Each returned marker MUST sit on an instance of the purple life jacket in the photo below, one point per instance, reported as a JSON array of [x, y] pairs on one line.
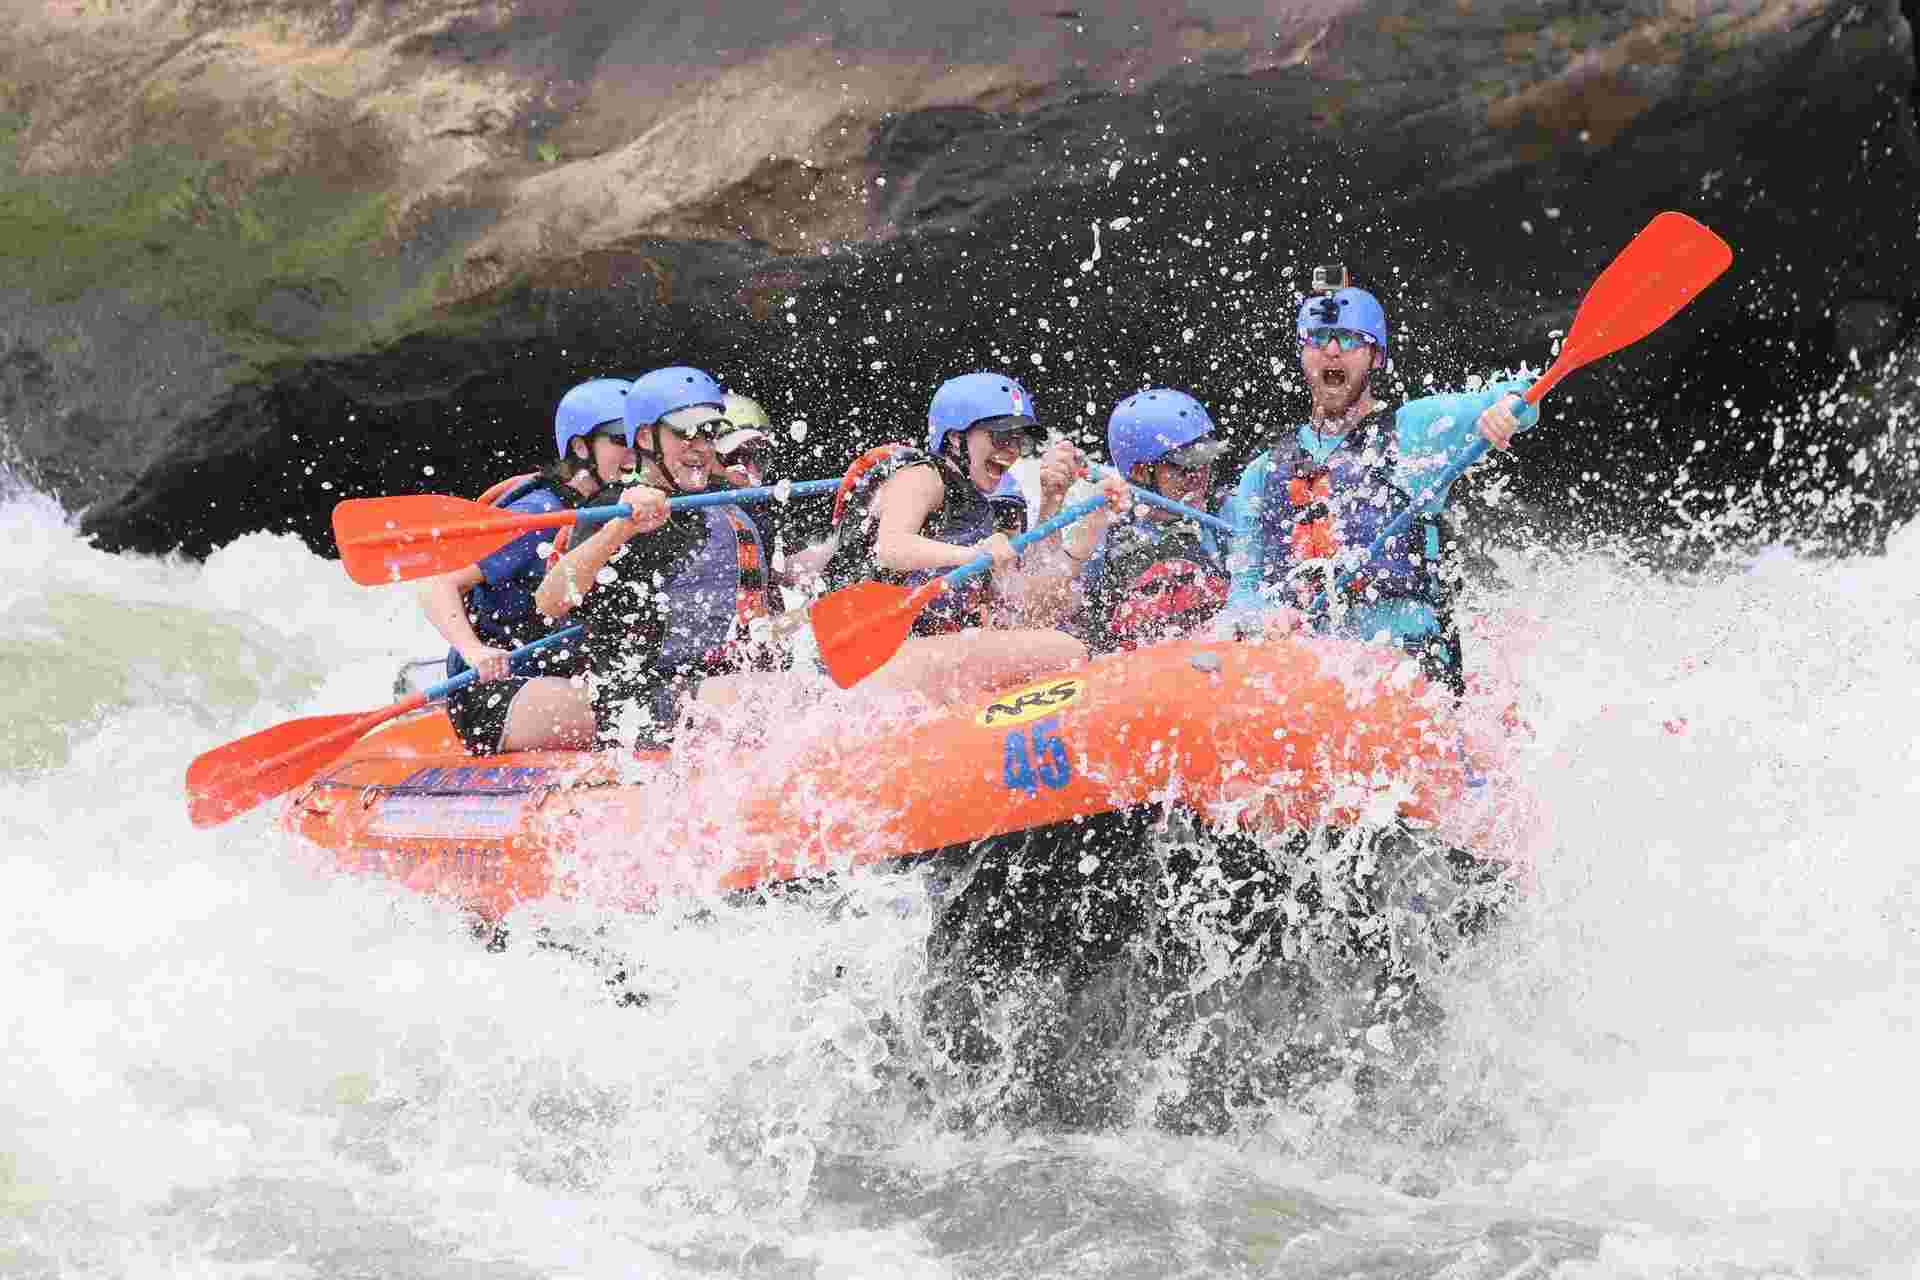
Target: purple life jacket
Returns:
[[718, 587]]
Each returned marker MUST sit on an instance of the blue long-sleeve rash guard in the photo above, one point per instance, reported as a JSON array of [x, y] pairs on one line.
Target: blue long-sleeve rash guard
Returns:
[[1434, 431]]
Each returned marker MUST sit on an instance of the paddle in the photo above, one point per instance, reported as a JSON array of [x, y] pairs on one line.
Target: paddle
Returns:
[[420, 535], [1658, 273], [227, 781], [1153, 499], [859, 627]]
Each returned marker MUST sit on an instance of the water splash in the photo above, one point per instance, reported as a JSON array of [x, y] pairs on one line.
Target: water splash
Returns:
[[1684, 1055]]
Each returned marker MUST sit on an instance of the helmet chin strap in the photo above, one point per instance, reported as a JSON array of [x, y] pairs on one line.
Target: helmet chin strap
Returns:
[[659, 463], [589, 465]]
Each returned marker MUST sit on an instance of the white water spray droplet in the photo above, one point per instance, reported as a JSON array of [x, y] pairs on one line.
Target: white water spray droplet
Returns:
[[1087, 264], [1089, 865], [798, 431]]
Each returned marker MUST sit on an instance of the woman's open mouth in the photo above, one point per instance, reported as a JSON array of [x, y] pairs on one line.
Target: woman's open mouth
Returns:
[[1333, 376]]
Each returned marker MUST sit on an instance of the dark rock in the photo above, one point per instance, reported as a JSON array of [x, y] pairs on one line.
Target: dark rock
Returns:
[[762, 191], [1865, 327]]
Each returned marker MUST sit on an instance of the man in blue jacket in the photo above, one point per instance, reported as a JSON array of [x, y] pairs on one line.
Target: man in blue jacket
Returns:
[[1307, 510]]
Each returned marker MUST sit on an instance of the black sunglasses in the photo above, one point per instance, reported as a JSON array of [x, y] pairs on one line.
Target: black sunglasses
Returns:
[[1026, 439]]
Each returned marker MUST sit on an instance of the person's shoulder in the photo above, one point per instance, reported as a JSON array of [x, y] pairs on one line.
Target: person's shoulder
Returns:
[[1256, 469], [538, 501]]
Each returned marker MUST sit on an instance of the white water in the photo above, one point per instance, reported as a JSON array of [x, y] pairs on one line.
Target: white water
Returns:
[[1686, 1056]]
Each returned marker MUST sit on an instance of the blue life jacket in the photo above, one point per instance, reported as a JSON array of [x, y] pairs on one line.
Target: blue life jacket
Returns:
[[500, 606]]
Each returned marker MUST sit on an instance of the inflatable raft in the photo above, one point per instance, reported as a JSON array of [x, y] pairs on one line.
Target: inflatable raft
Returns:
[[1290, 733]]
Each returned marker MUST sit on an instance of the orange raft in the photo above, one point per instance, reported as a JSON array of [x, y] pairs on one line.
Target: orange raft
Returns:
[[1288, 733]]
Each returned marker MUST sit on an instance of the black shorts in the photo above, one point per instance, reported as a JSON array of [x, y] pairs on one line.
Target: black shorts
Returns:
[[651, 703], [479, 712]]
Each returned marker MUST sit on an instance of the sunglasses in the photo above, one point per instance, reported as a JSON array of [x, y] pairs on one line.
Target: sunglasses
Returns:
[[746, 456], [614, 434], [711, 429], [1026, 440], [1198, 456], [1345, 339]]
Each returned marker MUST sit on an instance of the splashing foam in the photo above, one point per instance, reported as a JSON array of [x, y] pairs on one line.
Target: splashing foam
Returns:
[[1691, 1037]]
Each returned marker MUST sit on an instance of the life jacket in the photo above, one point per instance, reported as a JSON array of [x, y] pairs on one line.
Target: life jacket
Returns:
[[965, 518], [1172, 597], [506, 492], [496, 614], [713, 598], [1317, 520], [1156, 583]]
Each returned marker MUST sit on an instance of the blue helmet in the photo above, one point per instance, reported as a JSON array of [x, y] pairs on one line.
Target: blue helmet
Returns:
[[589, 405], [961, 402], [1150, 424], [1350, 308], [655, 395]]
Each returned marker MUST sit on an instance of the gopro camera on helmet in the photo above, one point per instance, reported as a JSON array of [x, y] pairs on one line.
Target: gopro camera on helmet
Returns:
[[1330, 278]]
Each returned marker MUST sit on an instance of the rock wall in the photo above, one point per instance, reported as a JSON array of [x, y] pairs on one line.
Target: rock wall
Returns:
[[260, 255]]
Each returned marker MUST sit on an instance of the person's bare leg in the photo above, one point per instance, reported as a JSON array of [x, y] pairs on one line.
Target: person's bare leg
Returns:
[[968, 663], [548, 713]]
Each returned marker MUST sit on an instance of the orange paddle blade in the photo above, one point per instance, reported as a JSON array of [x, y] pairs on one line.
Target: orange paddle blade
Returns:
[[1660, 271], [420, 535], [227, 781], [859, 627]]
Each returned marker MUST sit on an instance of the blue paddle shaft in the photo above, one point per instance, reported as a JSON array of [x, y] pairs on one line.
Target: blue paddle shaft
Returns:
[[1153, 499], [980, 564], [716, 498], [514, 659]]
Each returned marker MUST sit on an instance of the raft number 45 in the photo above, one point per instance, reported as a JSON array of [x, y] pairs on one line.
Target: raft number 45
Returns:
[[1036, 755]]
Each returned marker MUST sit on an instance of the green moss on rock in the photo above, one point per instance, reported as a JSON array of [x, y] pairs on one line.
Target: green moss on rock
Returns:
[[287, 264]]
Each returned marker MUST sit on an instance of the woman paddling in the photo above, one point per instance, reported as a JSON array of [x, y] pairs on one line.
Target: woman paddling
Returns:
[[906, 516], [673, 601], [486, 609]]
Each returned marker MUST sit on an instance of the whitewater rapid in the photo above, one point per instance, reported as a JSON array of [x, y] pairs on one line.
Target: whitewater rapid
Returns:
[[1686, 1055]]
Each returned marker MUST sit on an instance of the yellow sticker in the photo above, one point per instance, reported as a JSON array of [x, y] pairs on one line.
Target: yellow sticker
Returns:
[[1017, 706]]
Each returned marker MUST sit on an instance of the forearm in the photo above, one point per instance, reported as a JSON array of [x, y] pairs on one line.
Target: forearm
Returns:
[[1436, 432], [906, 552], [1042, 592], [1082, 538], [1246, 556], [446, 608], [568, 582], [807, 563]]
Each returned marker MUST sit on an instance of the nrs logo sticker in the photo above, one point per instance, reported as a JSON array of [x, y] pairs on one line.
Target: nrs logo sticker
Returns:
[[1017, 706]]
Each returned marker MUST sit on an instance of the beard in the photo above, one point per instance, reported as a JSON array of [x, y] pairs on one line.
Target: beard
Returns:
[[1335, 392]]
